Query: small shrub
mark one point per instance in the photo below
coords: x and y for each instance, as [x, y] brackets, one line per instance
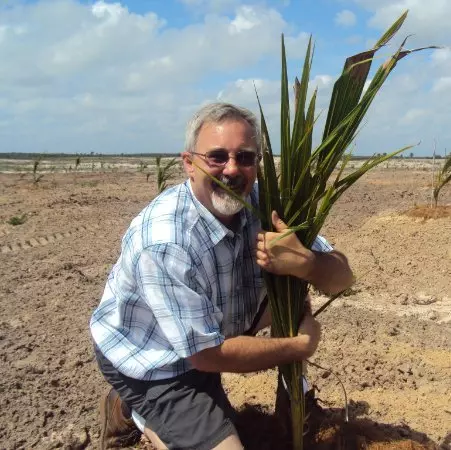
[18, 220]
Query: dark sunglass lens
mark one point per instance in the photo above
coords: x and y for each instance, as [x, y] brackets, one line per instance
[217, 157]
[246, 158]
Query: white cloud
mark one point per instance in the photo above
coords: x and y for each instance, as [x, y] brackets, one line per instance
[427, 21]
[415, 103]
[345, 18]
[443, 84]
[101, 78]
[215, 6]
[246, 19]
[413, 115]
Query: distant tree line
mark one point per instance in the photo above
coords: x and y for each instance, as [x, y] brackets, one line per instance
[29, 155]
[18, 155]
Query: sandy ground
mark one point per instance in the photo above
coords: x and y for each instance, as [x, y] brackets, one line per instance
[389, 340]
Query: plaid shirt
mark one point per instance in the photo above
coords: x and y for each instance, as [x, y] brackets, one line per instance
[183, 283]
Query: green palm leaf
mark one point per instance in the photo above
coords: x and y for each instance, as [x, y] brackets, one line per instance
[303, 194]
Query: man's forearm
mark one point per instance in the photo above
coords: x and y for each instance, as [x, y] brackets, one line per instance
[330, 272]
[248, 354]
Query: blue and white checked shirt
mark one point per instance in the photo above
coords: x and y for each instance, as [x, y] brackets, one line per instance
[183, 283]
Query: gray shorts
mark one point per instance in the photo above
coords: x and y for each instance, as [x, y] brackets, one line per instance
[190, 411]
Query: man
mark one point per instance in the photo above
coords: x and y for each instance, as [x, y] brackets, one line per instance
[185, 298]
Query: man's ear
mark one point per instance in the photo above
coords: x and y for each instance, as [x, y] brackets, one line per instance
[188, 163]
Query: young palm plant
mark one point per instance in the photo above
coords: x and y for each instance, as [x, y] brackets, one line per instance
[164, 173]
[305, 189]
[443, 177]
[36, 176]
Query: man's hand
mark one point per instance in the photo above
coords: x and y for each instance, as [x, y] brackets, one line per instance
[327, 271]
[287, 256]
[309, 330]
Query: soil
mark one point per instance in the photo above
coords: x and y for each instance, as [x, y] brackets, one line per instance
[388, 339]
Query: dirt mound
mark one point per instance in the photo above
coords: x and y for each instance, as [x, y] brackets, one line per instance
[427, 212]
[261, 430]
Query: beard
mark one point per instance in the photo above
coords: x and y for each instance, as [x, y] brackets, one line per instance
[224, 203]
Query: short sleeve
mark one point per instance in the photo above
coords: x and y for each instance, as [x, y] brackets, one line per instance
[321, 245]
[185, 317]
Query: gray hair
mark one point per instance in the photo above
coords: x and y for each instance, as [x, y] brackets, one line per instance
[217, 113]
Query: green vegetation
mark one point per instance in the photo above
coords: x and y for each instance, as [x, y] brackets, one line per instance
[443, 177]
[302, 193]
[142, 166]
[36, 177]
[164, 173]
[17, 220]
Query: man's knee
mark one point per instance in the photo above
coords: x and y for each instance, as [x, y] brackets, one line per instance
[154, 439]
[231, 442]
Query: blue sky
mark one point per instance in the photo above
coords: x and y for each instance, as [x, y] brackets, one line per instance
[124, 77]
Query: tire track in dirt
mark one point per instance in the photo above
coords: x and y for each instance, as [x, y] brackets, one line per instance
[40, 241]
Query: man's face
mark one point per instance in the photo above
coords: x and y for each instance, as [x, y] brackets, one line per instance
[231, 136]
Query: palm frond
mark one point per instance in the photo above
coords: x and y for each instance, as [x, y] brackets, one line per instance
[303, 195]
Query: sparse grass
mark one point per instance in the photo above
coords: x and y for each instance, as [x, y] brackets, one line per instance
[17, 220]
[90, 184]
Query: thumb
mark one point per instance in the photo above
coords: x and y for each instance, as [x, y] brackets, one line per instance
[278, 223]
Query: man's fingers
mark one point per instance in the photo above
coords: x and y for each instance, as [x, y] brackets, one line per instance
[278, 223]
[262, 257]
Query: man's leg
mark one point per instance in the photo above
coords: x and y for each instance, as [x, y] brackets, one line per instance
[231, 442]
[117, 426]
[189, 411]
[156, 441]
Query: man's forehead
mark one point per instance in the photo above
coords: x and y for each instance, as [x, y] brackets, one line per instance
[226, 121]
[220, 128]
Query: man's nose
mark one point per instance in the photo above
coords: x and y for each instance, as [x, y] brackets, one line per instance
[231, 166]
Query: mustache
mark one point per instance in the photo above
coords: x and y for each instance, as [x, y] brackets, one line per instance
[237, 182]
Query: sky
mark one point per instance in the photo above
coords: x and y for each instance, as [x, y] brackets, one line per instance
[82, 76]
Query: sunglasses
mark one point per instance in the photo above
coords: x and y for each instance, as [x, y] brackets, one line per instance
[219, 158]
